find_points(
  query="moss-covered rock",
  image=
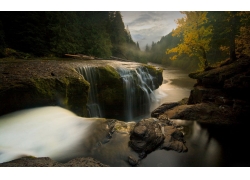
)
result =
(28, 84)
(34, 83)
(156, 73)
(110, 91)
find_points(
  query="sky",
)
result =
(148, 26)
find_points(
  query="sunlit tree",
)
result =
(196, 36)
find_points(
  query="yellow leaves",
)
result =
(196, 35)
(225, 49)
(242, 42)
(173, 57)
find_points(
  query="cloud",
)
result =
(148, 26)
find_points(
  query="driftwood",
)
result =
(117, 58)
(81, 56)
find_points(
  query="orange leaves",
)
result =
(196, 35)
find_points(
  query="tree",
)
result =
(137, 45)
(196, 35)
(147, 49)
(25, 31)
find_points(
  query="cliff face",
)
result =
(27, 84)
(220, 96)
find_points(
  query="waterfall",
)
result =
(90, 74)
(138, 89)
(138, 86)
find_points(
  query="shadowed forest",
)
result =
(201, 39)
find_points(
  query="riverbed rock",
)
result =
(146, 136)
(165, 106)
(174, 140)
(220, 96)
(27, 84)
(47, 162)
(151, 134)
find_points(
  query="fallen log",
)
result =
(81, 56)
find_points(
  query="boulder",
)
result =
(151, 134)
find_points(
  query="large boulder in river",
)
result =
(151, 134)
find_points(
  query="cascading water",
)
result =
(138, 85)
(42, 132)
(90, 74)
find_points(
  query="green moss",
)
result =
(153, 70)
(110, 85)
(70, 93)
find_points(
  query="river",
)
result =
(51, 131)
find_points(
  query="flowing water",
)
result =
(90, 74)
(58, 133)
(136, 104)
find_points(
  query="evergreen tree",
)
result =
(137, 45)
(25, 31)
(147, 49)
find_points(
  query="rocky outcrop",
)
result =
(47, 162)
(220, 96)
(28, 84)
(34, 83)
(151, 134)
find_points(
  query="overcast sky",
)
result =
(148, 26)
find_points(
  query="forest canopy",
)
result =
(98, 33)
(201, 39)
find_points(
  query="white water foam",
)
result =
(41, 132)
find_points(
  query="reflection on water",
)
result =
(203, 150)
(57, 133)
(176, 86)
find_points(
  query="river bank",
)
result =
(209, 144)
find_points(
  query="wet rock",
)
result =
(146, 136)
(151, 134)
(174, 140)
(132, 161)
(221, 96)
(161, 109)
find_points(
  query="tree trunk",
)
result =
(204, 55)
(232, 37)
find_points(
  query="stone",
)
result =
(132, 161)
(146, 136)
(221, 96)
